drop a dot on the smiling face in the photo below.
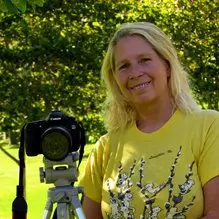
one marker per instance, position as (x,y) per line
(141,74)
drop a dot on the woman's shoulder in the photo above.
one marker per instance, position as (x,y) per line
(110,136)
(107,138)
(110,139)
(204,117)
(206,114)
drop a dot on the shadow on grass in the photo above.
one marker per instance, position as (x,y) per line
(2,145)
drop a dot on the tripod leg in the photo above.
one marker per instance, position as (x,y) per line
(48,209)
(79,213)
(78,208)
(63,211)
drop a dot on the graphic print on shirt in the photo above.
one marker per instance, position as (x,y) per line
(121,201)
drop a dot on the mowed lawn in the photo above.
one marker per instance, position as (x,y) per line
(36,192)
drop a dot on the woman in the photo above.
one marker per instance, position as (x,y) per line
(160,157)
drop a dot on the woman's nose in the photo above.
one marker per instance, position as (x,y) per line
(135,71)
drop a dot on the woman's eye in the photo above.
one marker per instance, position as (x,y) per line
(145,59)
(123,66)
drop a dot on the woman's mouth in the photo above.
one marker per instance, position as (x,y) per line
(140,86)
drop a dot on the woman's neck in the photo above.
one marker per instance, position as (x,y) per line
(153,117)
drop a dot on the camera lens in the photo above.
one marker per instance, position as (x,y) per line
(56,143)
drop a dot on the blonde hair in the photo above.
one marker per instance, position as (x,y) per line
(118,112)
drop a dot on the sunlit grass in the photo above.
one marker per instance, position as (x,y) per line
(36,192)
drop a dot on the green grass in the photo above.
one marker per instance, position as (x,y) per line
(36,192)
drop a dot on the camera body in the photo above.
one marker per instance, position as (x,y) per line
(54,137)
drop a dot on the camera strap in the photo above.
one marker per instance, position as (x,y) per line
(83,142)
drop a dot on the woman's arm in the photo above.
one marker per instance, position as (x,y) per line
(211,199)
(91,208)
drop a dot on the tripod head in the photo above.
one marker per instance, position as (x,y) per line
(60,173)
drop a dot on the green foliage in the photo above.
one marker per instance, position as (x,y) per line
(50,58)
(18,6)
(194,28)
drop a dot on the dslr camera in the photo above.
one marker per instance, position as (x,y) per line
(55,137)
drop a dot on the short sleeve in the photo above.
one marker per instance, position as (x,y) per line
(92,176)
(208,164)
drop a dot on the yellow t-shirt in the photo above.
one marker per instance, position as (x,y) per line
(157,175)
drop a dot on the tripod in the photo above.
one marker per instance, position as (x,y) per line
(63,174)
